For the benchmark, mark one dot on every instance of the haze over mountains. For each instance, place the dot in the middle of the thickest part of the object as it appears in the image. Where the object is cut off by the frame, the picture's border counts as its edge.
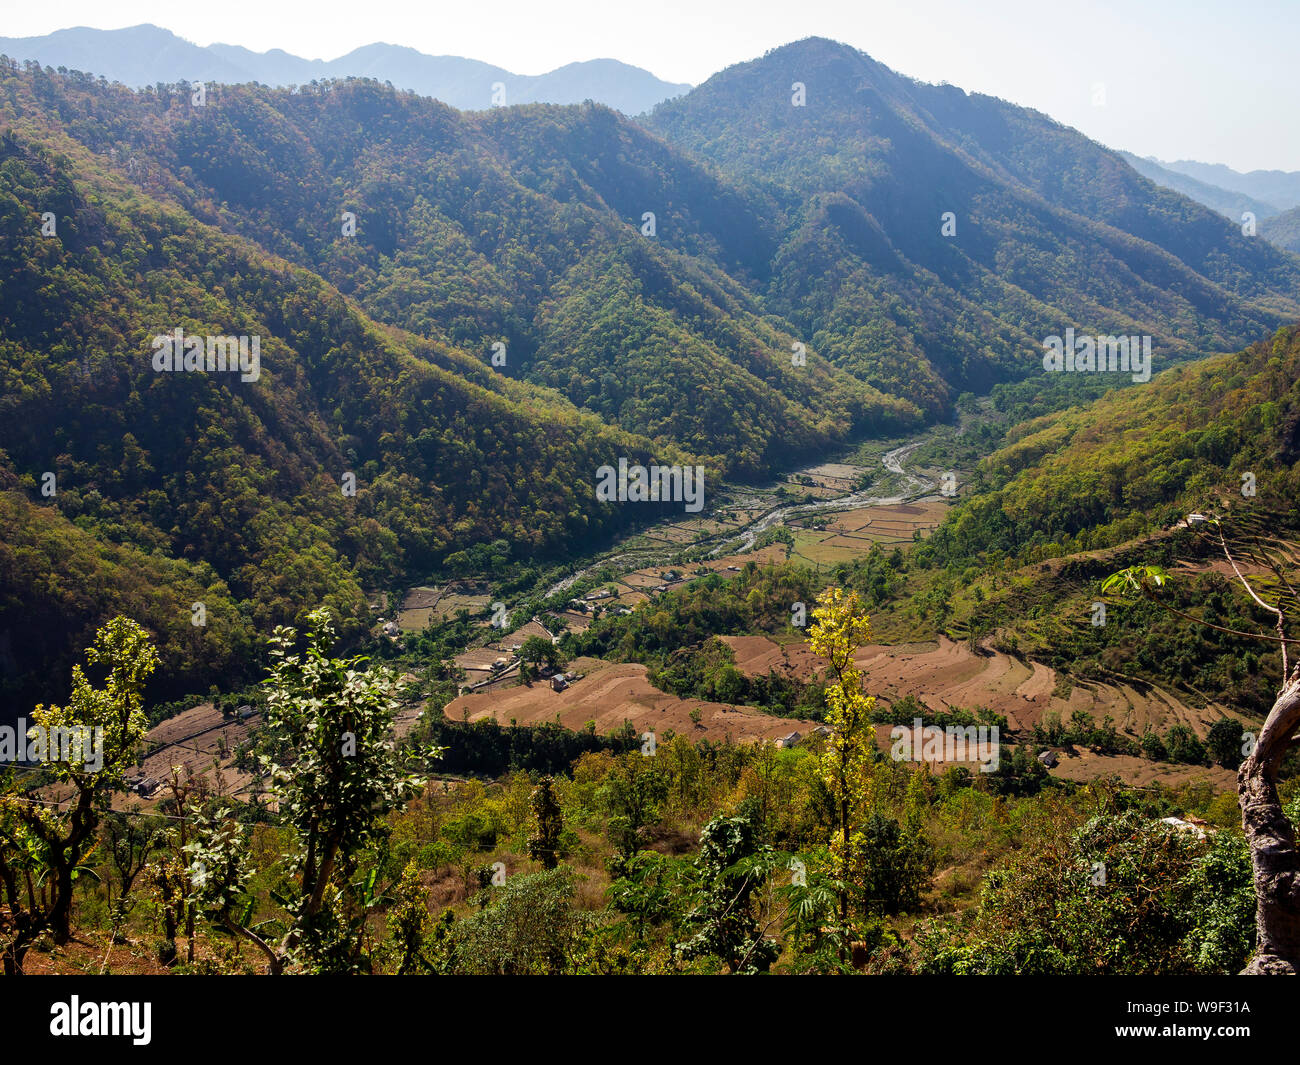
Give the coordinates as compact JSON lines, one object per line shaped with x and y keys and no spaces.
{"x":149,"y":55}
{"x":1231,"y":203}
{"x":1272,"y":196}
{"x":1278,"y":187}
{"x":750,"y":277}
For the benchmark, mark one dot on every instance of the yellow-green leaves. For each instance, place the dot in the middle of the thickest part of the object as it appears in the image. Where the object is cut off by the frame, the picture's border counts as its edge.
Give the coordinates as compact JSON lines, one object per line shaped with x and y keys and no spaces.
{"x":840,"y":627}
{"x":1136,"y":580}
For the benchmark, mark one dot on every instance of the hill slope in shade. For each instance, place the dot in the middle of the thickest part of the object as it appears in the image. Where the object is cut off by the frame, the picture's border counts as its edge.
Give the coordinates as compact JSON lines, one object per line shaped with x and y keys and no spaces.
{"x":1283,"y":230}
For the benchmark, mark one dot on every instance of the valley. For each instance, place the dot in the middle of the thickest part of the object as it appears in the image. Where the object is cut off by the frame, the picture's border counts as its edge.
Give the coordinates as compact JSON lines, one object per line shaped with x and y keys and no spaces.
{"x":607,"y":508}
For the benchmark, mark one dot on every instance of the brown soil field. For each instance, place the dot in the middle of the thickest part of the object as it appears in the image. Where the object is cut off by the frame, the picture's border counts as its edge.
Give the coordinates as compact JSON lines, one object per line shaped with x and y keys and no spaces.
{"x":610,"y":694}
{"x":576,"y":622}
{"x":899,"y":520}
{"x":843,"y":471}
{"x":527,"y":629}
{"x":946,"y":674}
{"x":478,"y":658}
{"x":421,"y":597}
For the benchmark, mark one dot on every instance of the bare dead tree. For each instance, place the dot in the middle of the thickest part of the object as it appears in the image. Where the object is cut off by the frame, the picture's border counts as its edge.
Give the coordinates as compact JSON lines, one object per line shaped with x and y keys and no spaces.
{"x":1256,"y":553}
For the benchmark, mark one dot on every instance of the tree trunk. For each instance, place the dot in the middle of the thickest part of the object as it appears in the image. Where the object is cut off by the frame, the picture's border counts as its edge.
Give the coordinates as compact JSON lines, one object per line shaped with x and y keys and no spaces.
{"x":1274,"y":856}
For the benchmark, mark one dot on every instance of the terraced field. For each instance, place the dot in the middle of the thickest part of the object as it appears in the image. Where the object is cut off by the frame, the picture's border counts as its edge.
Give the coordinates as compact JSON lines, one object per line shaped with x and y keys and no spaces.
{"x":947,"y":674}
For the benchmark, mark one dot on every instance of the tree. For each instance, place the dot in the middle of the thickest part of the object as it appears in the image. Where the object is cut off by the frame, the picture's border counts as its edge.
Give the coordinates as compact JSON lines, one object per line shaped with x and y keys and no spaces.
{"x":171,"y":872}
{"x":528,"y":927}
{"x":1224,"y":742}
{"x":1275,"y":858}
{"x":631,"y":794}
{"x":339,"y":775}
{"x":893,"y":864}
{"x":410,"y":925}
{"x":840,"y":628}
{"x":732,"y":865}
{"x":130,"y":842}
{"x":548,"y":819}
{"x":538,"y":650}
{"x":47,"y":844}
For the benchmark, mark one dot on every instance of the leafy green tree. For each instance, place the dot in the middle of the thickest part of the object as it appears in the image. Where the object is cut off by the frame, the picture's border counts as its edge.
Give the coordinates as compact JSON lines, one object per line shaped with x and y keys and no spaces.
{"x":1224,"y":742}
{"x":546,"y":843}
{"x":540,"y":651}
{"x":631,"y":795}
{"x":100,"y":730}
{"x":648,"y":891}
{"x":337,"y":778}
{"x":732,"y":866}
{"x":893,"y":864}
{"x":529,"y":927}
{"x":1183,"y":746}
{"x":410,"y":925}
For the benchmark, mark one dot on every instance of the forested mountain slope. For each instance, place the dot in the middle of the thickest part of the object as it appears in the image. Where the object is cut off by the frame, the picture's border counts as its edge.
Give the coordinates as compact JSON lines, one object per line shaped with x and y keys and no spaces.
{"x":1140,"y":459}
{"x":173,"y":482}
{"x":522,"y":227}
{"x":1048,"y":229}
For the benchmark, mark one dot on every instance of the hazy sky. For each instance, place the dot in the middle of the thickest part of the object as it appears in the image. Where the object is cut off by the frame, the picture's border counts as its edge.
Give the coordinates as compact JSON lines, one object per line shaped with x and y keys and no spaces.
{"x":1215,"y":81}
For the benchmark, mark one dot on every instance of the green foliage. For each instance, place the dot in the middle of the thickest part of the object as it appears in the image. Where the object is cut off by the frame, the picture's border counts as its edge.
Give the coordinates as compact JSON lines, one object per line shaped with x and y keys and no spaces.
{"x":1123,"y":895}
{"x":731,"y":867}
{"x":546,"y":844}
{"x":529,"y":927}
{"x":336,"y":776}
{"x":893,"y":865}
{"x":631,"y":795}
{"x":1224,"y":742}
{"x":47,"y":843}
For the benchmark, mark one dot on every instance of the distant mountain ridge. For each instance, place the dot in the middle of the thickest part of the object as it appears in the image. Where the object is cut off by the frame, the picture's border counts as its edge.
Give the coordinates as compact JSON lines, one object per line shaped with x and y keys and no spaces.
{"x":1228,"y":202}
{"x":1280,"y":187}
{"x":147,"y":55}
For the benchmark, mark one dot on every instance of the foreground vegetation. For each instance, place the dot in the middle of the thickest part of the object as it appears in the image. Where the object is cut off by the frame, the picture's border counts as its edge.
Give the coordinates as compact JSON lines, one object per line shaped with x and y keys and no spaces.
{"x":584,"y":854}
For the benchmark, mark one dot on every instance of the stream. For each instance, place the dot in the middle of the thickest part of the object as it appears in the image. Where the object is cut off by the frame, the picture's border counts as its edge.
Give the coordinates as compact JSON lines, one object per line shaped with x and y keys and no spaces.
{"x":913,"y":488}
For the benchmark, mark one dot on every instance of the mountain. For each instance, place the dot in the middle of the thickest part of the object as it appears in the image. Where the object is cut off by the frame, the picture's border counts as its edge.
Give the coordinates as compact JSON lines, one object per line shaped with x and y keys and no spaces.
{"x":649,"y":284}
{"x":148,"y":55}
{"x":1051,"y":229}
{"x":1280,"y":227}
{"x":123,"y":488}
{"x":1283,"y":230}
{"x":1280,"y":187}
{"x":520,"y":226}
{"x":1228,"y":202}
{"x":1138,"y":460}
